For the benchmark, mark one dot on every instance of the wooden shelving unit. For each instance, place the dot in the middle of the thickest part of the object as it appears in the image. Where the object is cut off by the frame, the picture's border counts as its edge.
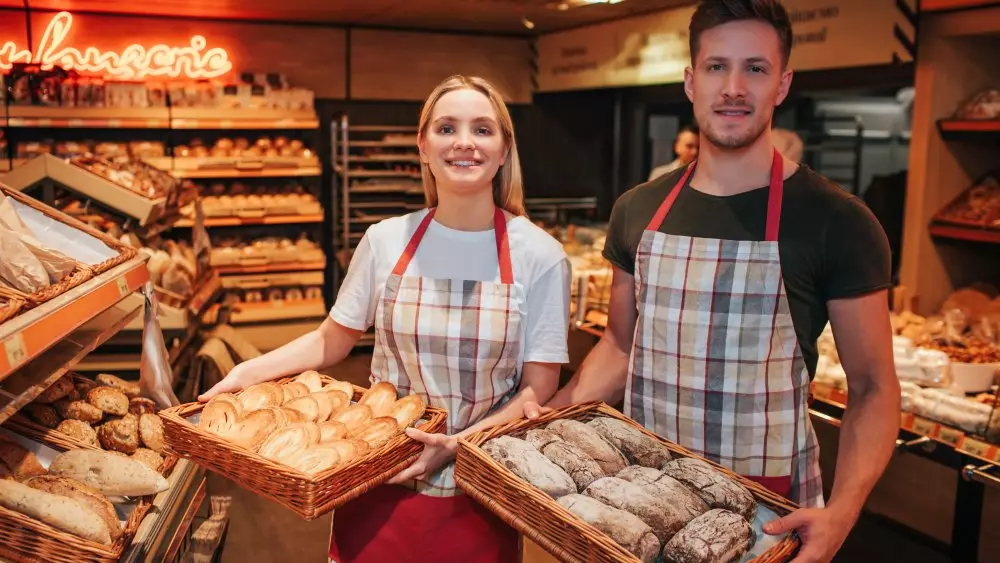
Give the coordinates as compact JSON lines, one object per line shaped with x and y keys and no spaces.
{"x":970,"y":234}
{"x":958,"y":129}
{"x":90,"y":118}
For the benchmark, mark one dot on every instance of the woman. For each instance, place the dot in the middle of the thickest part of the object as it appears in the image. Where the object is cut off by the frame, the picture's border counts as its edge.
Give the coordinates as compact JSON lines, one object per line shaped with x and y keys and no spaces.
{"x":470,"y":302}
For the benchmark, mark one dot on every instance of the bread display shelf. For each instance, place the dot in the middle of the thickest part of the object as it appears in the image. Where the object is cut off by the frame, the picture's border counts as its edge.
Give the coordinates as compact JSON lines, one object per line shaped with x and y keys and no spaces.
{"x":384,"y":144}
{"x":383,"y":129}
{"x":309,"y":496}
{"x":414,"y":158}
{"x":949,"y":5}
{"x":220,"y":173}
{"x":273,"y":268}
{"x":539,"y":517}
{"x":220,"y":118}
{"x":212,"y":163}
{"x":165,"y":519}
{"x":380,"y":173}
{"x":958,"y":232}
{"x":32,"y":378}
{"x":249,"y":221}
{"x":263,"y":281}
{"x":98,"y":118}
{"x":270,"y":311}
{"x":28,"y":335}
{"x":86,"y":183}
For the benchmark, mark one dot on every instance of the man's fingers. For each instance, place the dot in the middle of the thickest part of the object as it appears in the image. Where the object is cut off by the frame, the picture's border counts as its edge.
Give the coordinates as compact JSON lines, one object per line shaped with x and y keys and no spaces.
{"x":786,"y":523}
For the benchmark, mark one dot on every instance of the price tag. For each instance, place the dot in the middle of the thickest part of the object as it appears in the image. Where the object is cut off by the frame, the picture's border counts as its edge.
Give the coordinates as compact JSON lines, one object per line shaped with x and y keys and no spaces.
{"x":923,"y":427}
{"x":122,"y":286}
{"x":974,"y":448}
{"x":15,"y":350}
{"x":949,"y":436}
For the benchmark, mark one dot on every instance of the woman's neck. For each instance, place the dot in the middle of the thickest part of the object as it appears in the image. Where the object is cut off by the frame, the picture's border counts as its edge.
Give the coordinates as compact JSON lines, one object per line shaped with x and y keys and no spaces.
{"x":472,"y":212}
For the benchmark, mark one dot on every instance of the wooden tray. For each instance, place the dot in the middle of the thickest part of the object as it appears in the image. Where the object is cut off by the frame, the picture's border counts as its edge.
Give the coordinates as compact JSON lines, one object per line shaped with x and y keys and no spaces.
{"x":539,"y":517}
{"x":309,"y":496}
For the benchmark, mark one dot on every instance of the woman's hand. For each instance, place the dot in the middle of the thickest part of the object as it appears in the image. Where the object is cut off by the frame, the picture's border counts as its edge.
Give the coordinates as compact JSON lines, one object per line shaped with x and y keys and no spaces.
{"x":439,"y":449}
{"x":237,"y":379}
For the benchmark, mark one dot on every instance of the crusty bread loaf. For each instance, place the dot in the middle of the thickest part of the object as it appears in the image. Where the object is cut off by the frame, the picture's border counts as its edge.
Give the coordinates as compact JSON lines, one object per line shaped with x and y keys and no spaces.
{"x":590,"y":441}
{"x":529,"y":464}
{"x":638,"y":447}
{"x":574,"y":461}
{"x":110,"y":474}
{"x":540,"y":437}
{"x":683,"y":500}
{"x":42,"y":414}
{"x":60,"y":512}
{"x":110,"y":400}
{"x":21,"y":462}
{"x":57,"y":390}
{"x":627,"y":530}
{"x":717,"y":536}
{"x":653,"y":510}
{"x":717,"y":490}
{"x":90,"y":498}
{"x":311,"y":379}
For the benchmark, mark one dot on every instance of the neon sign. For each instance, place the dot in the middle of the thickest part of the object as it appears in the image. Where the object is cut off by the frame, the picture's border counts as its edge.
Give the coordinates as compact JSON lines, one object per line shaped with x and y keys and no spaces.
{"x":133,"y":62}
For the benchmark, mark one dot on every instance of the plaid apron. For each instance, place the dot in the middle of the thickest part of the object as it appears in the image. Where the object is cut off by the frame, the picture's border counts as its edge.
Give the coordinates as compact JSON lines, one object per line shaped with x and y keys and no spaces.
{"x":456,"y":343}
{"x":715,"y":363}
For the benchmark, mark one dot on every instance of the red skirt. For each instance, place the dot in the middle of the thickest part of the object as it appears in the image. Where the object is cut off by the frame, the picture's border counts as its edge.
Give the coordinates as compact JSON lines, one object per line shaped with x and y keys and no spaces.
{"x":395,"y":523}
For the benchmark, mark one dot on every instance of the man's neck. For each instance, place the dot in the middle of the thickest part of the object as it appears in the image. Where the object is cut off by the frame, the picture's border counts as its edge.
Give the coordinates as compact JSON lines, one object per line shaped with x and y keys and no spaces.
{"x":726,"y":172}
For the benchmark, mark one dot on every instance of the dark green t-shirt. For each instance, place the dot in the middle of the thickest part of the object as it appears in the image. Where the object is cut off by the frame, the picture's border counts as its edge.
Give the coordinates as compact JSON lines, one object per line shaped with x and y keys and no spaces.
{"x":831,"y":245}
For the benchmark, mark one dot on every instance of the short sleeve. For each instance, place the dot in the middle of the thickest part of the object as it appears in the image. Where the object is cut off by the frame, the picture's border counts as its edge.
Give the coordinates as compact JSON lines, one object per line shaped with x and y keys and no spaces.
{"x":547,"y":323}
{"x":617,"y":248}
{"x":355,"y":305}
{"x":858,"y":257}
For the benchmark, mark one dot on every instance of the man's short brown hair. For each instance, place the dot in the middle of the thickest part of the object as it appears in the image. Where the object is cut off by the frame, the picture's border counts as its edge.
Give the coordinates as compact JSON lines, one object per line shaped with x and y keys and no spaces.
{"x":713,"y":13}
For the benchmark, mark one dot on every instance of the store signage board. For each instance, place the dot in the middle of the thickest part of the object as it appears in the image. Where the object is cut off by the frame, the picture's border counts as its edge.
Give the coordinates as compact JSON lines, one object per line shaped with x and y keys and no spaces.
{"x":194,"y":60}
{"x":653,"y":49}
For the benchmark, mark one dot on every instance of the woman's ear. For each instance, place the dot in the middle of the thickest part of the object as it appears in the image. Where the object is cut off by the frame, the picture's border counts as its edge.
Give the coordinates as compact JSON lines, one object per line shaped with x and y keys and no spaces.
{"x":421,"y":148}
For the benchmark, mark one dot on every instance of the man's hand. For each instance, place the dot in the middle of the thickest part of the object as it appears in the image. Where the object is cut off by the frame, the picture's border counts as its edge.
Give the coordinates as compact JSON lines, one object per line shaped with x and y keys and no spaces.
{"x":822,"y":531}
{"x":237,"y":379}
{"x":439,"y":449}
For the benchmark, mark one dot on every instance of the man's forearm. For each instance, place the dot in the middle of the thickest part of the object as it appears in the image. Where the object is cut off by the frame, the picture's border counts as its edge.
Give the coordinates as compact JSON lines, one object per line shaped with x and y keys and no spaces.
{"x":601,"y":377}
{"x":867,"y":440}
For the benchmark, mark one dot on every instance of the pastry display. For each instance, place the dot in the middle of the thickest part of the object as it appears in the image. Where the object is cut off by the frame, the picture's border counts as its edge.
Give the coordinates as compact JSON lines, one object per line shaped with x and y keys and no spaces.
{"x":226,"y":152}
{"x":983,"y":105}
{"x":133,"y":175}
{"x":28,"y":265}
{"x":678,"y":507}
{"x":977,"y":206}
{"x":308,"y":424}
{"x":232,"y":249}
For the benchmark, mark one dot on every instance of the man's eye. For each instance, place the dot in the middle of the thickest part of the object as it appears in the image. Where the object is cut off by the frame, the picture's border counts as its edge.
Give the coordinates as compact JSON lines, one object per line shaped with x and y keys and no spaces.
{"x":757,"y":68}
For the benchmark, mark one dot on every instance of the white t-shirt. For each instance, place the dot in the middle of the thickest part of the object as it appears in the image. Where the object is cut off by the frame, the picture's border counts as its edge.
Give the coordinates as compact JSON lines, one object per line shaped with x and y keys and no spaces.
{"x":538,"y":260}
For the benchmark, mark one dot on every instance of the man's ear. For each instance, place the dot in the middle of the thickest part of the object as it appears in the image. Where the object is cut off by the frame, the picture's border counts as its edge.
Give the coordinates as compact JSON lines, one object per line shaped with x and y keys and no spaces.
{"x":784,"y":87}
{"x":689,"y":83}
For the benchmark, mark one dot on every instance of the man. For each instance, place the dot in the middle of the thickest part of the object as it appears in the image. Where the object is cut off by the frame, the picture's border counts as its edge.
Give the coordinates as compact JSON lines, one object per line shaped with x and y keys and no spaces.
{"x":686,"y":148}
{"x":725,"y":274}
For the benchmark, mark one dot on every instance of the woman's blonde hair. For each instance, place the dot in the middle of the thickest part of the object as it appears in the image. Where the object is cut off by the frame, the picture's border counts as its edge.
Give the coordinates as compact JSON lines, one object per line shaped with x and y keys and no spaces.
{"x":508,"y":186}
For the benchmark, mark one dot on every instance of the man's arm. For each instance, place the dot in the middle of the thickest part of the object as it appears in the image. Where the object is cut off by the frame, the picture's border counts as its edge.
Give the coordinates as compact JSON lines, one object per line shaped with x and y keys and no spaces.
{"x":870,"y":426}
{"x":604,"y":372}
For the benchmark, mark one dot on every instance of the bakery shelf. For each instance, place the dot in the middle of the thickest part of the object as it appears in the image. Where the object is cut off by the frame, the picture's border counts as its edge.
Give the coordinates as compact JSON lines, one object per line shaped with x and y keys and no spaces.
{"x":964,"y":233}
{"x":220,"y":173}
{"x":248,"y":163}
{"x":86,"y":183}
{"x":247,"y":221}
{"x":415,"y":158}
{"x":97,"y":118}
{"x":383,"y":129}
{"x":387,"y":189}
{"x":270,"y":311}
{"x":382,"y":174}
{"x":272,"y":268}
{"x":370,"y":144}
{"x":222,"y":118}
{"x":951,"y":5}
{"x":28,"y":335}
{"x":169,"y":517}
{"x":31,"y":379}
{"x":263,"y":281}
{"x":967,"y":128}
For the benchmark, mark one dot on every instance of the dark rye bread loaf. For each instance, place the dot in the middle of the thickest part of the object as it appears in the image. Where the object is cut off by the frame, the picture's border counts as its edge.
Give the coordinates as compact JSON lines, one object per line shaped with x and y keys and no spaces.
{"x":627,"y":530}
{"x":574,"y":461}
{"x":637,"y":446}
{"x":539,"y":438}
{"x":657,"y":512}
{"x":717,"y":536}
{"x":529,"y":464}
{"x":717,"y":490}
{"x":590,"y":441}
{"x":685,"y":504}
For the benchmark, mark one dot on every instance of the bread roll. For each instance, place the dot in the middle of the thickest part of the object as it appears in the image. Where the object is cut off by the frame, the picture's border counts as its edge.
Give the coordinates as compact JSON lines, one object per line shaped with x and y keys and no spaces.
{"x":57,"y":390}
{"x":342,"y":386}
{"x":314,"y":459}
{"x":627,"y":530}
{"x":90,"y":498}
{"x":110,"y":400}
{"x":310,"y":379}
{"x":79,"y":410}
{"x":408,"y":410}
{"x":42,"y":414}
{"x":284,"y":442}
{"x":120,"y":435}
{"x":141,"y":405}
{"x":332,"y":430}
{"x":716,"y":536}
{"x":306,"y":405}
{"x":380,"y":398}
{"x":80,"y":431}
{"x":83,"y":386}
{"x":540,"y":437}
{"x":354,"y":416}
{"x":262,"y":395}
{"x":22,"y":463}
{"x":151,"y":432}
{"x":57,"y":511}
{"x":130,"y":388}
{"x":717,"y":490}
{"x":529,"y":464}
{"x":294,"y":390}
{"x":683,"y":500}
{"x":590,"y":441}
{"x":149,"y":458}
{"x":655,"y":511}
{"x":377,"y":431}
{"x":110,"y":474}
{"x":637,"y":446}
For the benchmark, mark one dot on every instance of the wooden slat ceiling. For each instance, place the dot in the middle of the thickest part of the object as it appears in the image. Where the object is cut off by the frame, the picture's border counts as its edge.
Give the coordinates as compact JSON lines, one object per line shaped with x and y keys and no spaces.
{"x":496,"y":16}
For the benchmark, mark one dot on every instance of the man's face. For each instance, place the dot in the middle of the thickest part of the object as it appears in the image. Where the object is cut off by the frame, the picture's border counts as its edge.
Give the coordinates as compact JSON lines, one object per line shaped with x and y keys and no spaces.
{"x":686,"y":146}
{"x":737,"y":80}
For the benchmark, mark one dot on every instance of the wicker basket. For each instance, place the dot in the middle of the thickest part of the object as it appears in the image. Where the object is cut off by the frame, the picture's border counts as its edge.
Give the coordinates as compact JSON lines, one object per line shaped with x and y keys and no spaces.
{"x":27,"y":539}
{"x":309,"y":496}
{"x":539,"y":517}
{"x":10,"y":305}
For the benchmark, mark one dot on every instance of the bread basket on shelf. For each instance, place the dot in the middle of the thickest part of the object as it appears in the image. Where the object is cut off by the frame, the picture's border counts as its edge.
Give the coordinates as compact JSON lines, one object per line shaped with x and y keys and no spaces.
{"x":10,"y":304}
{"x":569,"y":538}
{"x":310,"y":495}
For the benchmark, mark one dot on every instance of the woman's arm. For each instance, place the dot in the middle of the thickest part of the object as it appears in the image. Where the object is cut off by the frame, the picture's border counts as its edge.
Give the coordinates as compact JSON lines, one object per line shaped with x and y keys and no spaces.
{"x":538,"y":383}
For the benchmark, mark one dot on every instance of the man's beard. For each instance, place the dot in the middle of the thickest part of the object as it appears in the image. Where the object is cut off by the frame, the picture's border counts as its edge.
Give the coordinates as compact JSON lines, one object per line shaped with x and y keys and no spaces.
{"x":735,"y":140}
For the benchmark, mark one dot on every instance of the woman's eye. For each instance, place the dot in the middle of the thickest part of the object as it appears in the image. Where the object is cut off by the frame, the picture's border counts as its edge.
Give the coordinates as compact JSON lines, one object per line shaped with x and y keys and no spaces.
{"x":483,"y":131}
{"x":446,"y":129}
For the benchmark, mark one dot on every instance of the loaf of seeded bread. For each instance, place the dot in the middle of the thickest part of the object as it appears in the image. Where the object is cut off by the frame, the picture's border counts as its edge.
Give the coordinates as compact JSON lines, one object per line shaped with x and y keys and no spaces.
{"x":627,"y":530}
{"x":658,"y":512}
{"x":529,"y":464}
{"x":683,"y":501}
{"x":717,"y":490}
{"x":717,"y":536}
{"x":637,"y":446}
{"x":590,"y":441}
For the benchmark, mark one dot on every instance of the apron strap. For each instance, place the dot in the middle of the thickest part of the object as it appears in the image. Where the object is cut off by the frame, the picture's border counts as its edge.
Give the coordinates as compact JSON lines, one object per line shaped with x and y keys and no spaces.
{"x":499,"y":229}
{"x":775,"y":193}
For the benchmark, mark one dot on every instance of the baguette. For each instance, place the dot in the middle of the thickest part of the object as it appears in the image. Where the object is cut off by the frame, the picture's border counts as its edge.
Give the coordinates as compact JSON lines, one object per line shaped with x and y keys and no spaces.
{"x":57,"y":511}
{"x":638,"y":447}
{"x":590,"y":441}
{"x":717,"y":536}
{"x":717,"y":490}
{"x":529,"y":464}
{"x":91,"y":499}
{"x":627,"y":530}
{"x":657,"y":512}
{"x":109,"y":474}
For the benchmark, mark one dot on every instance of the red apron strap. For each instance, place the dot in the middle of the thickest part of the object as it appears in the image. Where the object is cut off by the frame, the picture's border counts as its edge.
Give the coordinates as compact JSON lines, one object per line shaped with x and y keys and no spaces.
{"x":774,"y":197}
{"x":500,"y":231}
{"x":661,"y":213}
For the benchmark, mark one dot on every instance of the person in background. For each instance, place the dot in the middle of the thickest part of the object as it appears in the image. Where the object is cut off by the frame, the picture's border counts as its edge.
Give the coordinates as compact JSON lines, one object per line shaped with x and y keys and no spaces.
{"x":726,"y":272}
{"x":686,"y":148}
{"x":470,"y":303}
{"x":788,"y":143}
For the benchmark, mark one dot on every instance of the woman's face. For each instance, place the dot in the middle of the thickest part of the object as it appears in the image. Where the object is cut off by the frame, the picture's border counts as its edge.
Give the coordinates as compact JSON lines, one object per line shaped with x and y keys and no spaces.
{"x":463,"y":143}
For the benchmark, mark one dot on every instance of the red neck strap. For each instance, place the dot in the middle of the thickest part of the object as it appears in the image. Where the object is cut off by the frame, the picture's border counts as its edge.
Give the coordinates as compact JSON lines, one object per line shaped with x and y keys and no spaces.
{"x":775,"y":192}
{"x":499,"y":229}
